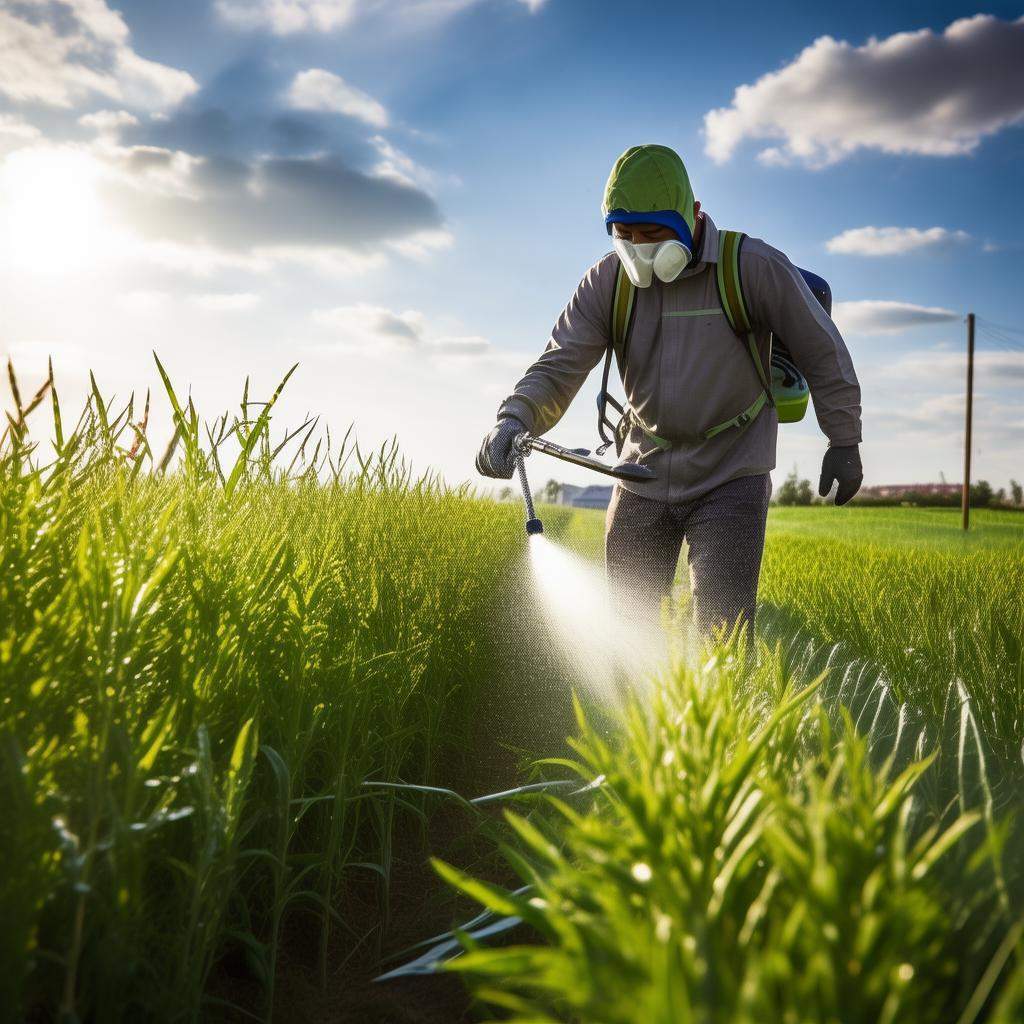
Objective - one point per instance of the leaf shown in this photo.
(898, 789)
(240, 766)
(182, 428)
(498, 900)
(250, 441)
(945, 842)
(407, 787)
(155, 735)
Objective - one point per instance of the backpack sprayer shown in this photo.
(524, 444)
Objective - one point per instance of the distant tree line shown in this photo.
(983, 495)
(550, 493)
(795, 491)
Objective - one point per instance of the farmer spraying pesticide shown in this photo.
(717, 338)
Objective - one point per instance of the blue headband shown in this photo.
(672, 219)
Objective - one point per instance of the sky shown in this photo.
(401, 195)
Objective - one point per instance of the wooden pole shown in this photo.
(965, 499)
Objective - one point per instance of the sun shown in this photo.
(51, 215)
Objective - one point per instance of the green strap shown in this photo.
(759, 366)
(622, 312)
(730, 290)
(663, 443)
(741, 420)
(730, 286)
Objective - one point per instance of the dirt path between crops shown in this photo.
(421, 906)
(527, 713)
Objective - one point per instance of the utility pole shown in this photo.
(965, 500)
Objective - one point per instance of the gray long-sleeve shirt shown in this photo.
(687, 371)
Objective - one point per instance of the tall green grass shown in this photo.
(203, 662)
(933, 611)
(831, 833)
(938, 613)
(750, 855)
(232, 669)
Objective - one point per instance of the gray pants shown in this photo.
(724, 532)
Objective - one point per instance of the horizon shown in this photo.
(361, 189)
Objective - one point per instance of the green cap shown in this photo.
(646, 179)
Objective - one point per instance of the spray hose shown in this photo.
(524, 444)
(533, 524)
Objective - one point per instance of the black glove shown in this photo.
(496, 457)
(842, 464)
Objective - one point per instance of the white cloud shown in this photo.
(285, 17)
(365, 325)
(937, 417)
(98, 202)
(471, 345)
(331, 261)
(920, 396)
(108, 122)
(226, 302)
(377, 330)
(876, 316)
(143, 300)
(198, 261)
(892, 241)
(316, 89)
(423, 244)
(153, 170)
(912, 92)
(992, 369)
(914, 415)
(61, 210)
(397, 165)
(30, 356)
(60, 52)
(15, 127)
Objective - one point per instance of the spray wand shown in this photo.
(524, 444)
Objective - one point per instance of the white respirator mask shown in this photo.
(644, 261)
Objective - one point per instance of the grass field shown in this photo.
(904, 590)
(832, 834)
(208, 683)
(225, 691)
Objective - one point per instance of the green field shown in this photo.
(242, 707)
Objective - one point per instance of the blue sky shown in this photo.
(402, 194)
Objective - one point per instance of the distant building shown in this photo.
(568, 492)
(899, 491)
(591, 497)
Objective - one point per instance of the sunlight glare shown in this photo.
(51, 217)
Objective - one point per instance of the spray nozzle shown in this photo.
(524, 443)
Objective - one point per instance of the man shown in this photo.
(687, 371)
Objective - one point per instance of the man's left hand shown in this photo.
(842, 465)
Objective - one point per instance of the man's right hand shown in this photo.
(496, 458)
